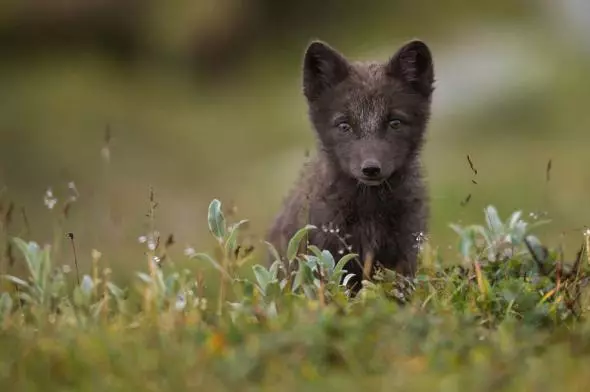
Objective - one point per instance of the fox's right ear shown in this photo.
(323, 67)
(413, 65)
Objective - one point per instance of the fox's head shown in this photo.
(370, 118)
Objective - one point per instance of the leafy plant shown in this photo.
(296, 316)
(498, 240)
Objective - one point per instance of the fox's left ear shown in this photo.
(323, 68)
(412, 64)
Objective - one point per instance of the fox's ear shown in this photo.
(412, 64)
(323, 67)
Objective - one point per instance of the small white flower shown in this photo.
(189, 251)
(151, 244)
(587, 232)
(49, 200)
(142, 239)
(180, 302)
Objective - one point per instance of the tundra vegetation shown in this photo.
(508, 314)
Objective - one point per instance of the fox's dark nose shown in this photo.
(371, 168)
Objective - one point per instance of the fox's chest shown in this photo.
(357, 234)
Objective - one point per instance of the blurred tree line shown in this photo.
(210, 35)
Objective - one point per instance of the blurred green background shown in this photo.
(203, 99)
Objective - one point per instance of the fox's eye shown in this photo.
(395, 124)
(344, 127)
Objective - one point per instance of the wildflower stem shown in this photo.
(224, 281)
(72, 242)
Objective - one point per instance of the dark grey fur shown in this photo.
(367, 116)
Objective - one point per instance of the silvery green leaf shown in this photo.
(295, 241)
(315, 250)
(17, 281)
(44, 268)
(115, 290)
(519, 230)
(347, 279)
(216, 220)
(29, 251)
(493, 220)
(327, 261)
(145, 277)
(273, 251)
(536, 247)
(466, 244)
(483, 232)
(312, 262)
(342, 263)
(262, 276)
(514, 218)
(230, 243)
(456, 228)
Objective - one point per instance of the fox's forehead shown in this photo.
(368, 74)
(369, 91)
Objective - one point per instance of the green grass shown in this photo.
(509, 315)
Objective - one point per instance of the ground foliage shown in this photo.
(509, 315)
